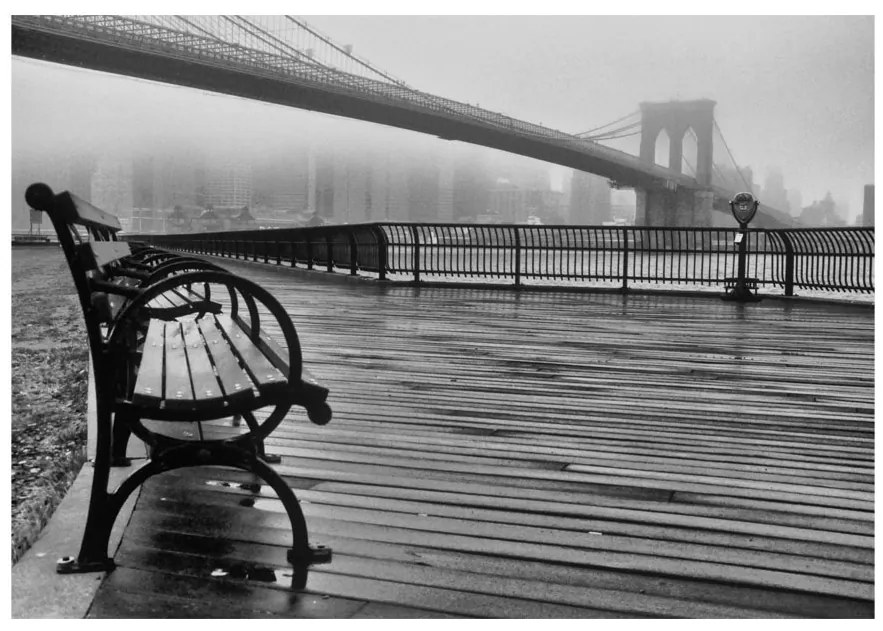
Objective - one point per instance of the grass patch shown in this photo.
(49, 355)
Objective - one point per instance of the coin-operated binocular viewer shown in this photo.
(743, 206)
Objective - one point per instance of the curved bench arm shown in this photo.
(249, 290)
(179, 265)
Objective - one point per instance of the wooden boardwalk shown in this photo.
(534, 454)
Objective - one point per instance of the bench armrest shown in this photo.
(244, 295)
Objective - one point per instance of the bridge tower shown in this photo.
(673, 207)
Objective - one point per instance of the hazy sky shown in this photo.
(792, 92)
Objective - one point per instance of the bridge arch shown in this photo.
(662, 149)
(676, 118)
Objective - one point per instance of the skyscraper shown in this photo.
(589, 199)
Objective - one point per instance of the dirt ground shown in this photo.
(49, 356)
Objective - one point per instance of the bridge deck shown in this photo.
(540, 454)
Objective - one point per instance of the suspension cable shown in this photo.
(613, 131)
(601, 138)
(268, 38)
(730, 153)
(610, 124)
(361, 62)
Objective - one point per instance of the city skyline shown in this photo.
(439, 182)
(793, 92)
(130, 110)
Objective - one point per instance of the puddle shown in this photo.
(247, 572)
(251, 487)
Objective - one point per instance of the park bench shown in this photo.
(177, 341)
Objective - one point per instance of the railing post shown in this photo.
(309, 238)
(278, 252)
(382, 245)
(625, 260)
(354, 253)
(329, 248)
(789, 263)
(516, 232)
(415, 236)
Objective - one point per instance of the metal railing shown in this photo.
(830, 259)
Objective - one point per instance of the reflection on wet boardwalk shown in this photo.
(539, 454)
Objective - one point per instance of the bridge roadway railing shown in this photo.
(829, 259)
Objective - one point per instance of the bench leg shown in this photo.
(120, 443)
(93, 550)
(259, 444)
(93, 553)
(301, 555)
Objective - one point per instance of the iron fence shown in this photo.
(827, 259)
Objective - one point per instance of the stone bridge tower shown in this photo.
(677, 207)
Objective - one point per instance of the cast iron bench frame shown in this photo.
(144, 312)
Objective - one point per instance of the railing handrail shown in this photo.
(831, 259)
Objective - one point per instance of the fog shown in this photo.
(793, 93)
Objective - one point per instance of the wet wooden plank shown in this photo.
(606, 546)
(681, 595)
(481, 439)
(388, 590)
(801, 542)
(138, 593)
(568, 502)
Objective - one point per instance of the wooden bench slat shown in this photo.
(161, 302)
(78, 211)
(206, 388)
(177, 298)
(103, 253)
(237, 386)
(179, 302)
(178, 389)
(265, 375)
(149, 383)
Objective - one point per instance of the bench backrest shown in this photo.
(88, 237)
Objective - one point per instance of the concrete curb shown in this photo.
(37, 590)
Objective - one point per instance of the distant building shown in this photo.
(281, 182)
(589, 199)
(228, 180)
(472, 184)
(795, 202)
(351, 187)
(774, 193)
(868, 206)
(112, 183)
(431, 190)
(508, 202)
